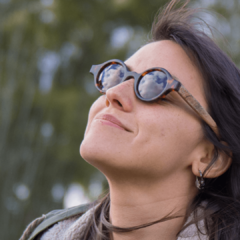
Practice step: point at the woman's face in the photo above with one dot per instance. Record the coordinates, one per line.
(151, 140)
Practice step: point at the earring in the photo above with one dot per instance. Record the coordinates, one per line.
(200, 182)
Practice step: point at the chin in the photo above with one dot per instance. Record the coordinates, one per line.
(95, 153)
(87, 151)
(92, 153)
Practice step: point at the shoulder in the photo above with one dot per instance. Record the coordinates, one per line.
(65, 217)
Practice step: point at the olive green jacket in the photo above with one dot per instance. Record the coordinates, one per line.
(36, 228)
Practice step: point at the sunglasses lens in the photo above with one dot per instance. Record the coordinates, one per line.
(152, 84)
(110, 76)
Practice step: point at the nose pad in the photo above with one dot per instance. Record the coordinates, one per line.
(106, 101)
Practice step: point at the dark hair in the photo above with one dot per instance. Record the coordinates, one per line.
(220, 200)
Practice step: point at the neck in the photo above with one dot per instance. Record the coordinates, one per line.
(134, 205)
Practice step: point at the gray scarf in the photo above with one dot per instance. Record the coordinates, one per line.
(73, 229)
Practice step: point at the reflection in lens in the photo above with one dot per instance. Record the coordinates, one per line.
(110, 76)
(152, 84)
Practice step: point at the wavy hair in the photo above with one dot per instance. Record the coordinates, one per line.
(219, 201)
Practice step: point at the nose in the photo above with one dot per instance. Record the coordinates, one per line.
(121, 96)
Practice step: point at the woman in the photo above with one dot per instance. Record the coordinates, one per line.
(152, 139)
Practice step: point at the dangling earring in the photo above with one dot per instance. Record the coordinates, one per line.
(200, 182)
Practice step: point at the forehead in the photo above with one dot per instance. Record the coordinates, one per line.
(169, 55)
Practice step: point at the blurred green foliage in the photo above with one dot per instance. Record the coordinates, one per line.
(46, 50)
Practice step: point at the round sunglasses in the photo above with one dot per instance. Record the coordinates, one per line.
(149, 85)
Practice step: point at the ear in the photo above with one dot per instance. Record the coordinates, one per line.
(220, 166)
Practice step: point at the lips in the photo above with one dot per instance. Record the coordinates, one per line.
(112, 121)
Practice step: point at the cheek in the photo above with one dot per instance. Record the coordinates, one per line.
(167, 140)
(96, 107)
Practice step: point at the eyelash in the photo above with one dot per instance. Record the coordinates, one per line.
(162, 100)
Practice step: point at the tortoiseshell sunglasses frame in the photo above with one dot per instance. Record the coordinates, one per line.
(171, 85)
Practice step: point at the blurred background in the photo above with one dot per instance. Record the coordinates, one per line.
(46, 50)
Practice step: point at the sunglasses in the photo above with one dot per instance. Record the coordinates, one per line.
(150, 85)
